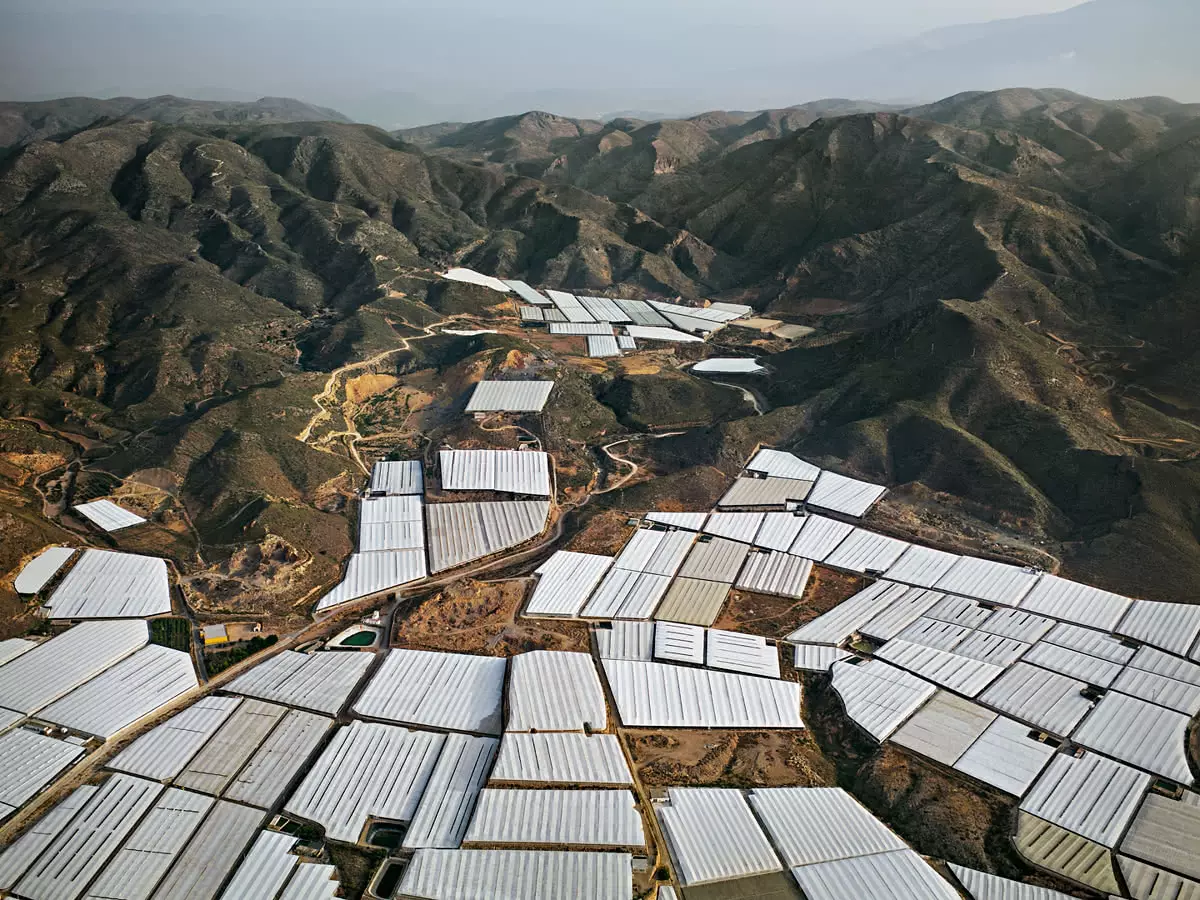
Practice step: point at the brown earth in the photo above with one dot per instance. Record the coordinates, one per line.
(604, 534)
(728, 758)
(776, 617)
(363, 387)
(481, 617)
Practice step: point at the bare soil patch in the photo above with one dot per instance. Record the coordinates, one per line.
(605, 534)
(776, 617)
(728, 758)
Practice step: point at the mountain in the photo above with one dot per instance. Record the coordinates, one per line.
(1003, 289)
(21, 123)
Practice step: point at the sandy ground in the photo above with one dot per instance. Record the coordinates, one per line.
(727, 758)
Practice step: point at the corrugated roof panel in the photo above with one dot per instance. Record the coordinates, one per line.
(693, 601)
(992, 648)
(687, 322)
(817, 657)
(11, 648)
(775, 573)
(1058, 850)
(387, 536)
(625, 342)
(553, 314)
(736, 526)
(668, 556)
(897, 875)
(626, 594)
(1072, 663)
(510, 396)
(214, 767)
(374, 573)
(656, 694)
(577, 328)
(820, 537)
(1071, 601)
(960, 611)
(1149, 883)
(31, 760)
(1006, 757)
(311, 881)
(557, 818)
(655, 333)
(79, 851)
(944, 728)
(703, 854)
(728, 366)
(395, 508)
(213, 850)
(318, 681)
(562, 758)
(35, 574)
(570, 306)
(1166, 834)
(1168, 626)
(367, 770)
(765, 492)
(510, 471)
(1046, 699)
(397, 477)
(984, 579)
(133, 688)
(783, 465)
(19, 855)
(846, 618)
(626, 640)
(462, 532)
(602, 346)
(265, 869)
(1093, 643)
(935, 633)
(717, 559)
(555, 691)
(677, 642)
(449, 800)
(848, 496)
(1018, 624)
(152, 848)
(921, 566)
(454, 691)
(907, 605)
(639, 548)
(747, 653)
(642, 313)
(517, 875)
(958, 673)
(1088, 795)
(531, 314)
(779, 530)
(565, 581)
(865, 551)
(107, 515)
(107, 585)
(279, 759)
(602, 309)
(1140, 733)
(1150, 659)
(815, 825)
(708, 314)
(693, 521)
(1177, 695)
(982, 886)
(528, 294)
(878, 696)
(164, 751)
(731, 310)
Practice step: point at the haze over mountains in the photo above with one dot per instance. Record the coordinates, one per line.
(402, 65)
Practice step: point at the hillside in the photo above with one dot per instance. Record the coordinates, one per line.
(1003, 319)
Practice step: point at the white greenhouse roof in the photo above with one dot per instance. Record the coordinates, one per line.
(779, 530)
(878, 696)
(11, 648)
(107, 585)
(1139, 733)
(1046, 699)
(38, 571)
(921, 566)
(704, 854)
(211, 853)
(397, 477)
(107, 515)
(960, 674)
(625, 640)
(848, 496)
(847, 617)
(318, 681)
(561, 758)
(820, 537)
(222, 757)
(1149, 659)
(263, 872)
(1169, 626)
(983, 886)
(29, 761)
(556, 818)
(19, 855)
(1073, 664)
(1166, 832)
(715, 559)
(470, 276)
(602, 346)
(452, 691)
(984, 579)
(1090, 796)
(569, 305)
(745, 653)
(602, 309)
(565, 581)
(1093, 643)
(737, 526)
(656, 552)
(275, 764)
(449, 800)
(642, 313)
(462, 532)
(944, 728)
(123, 694)
(367, 770)
(56, 667)
(1177, 695)
(693, 601)
(775, 573)
(897, 875)
(722, 365)
(517, 875)
(510, 396)
(679, 642)
(817, 657)
(657, 333)
(1074, 602)
(1006, 757)
(905, 606)
(374, 573)
(865, 551)
(526, 293)
(555, 691)
(815, 825)
(656, 694)
(782, 465)
(693, 521)
(627, 594)
(510, 471)
(764, 492)
(582, 328)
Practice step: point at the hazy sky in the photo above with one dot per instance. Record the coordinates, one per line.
(421, 61)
